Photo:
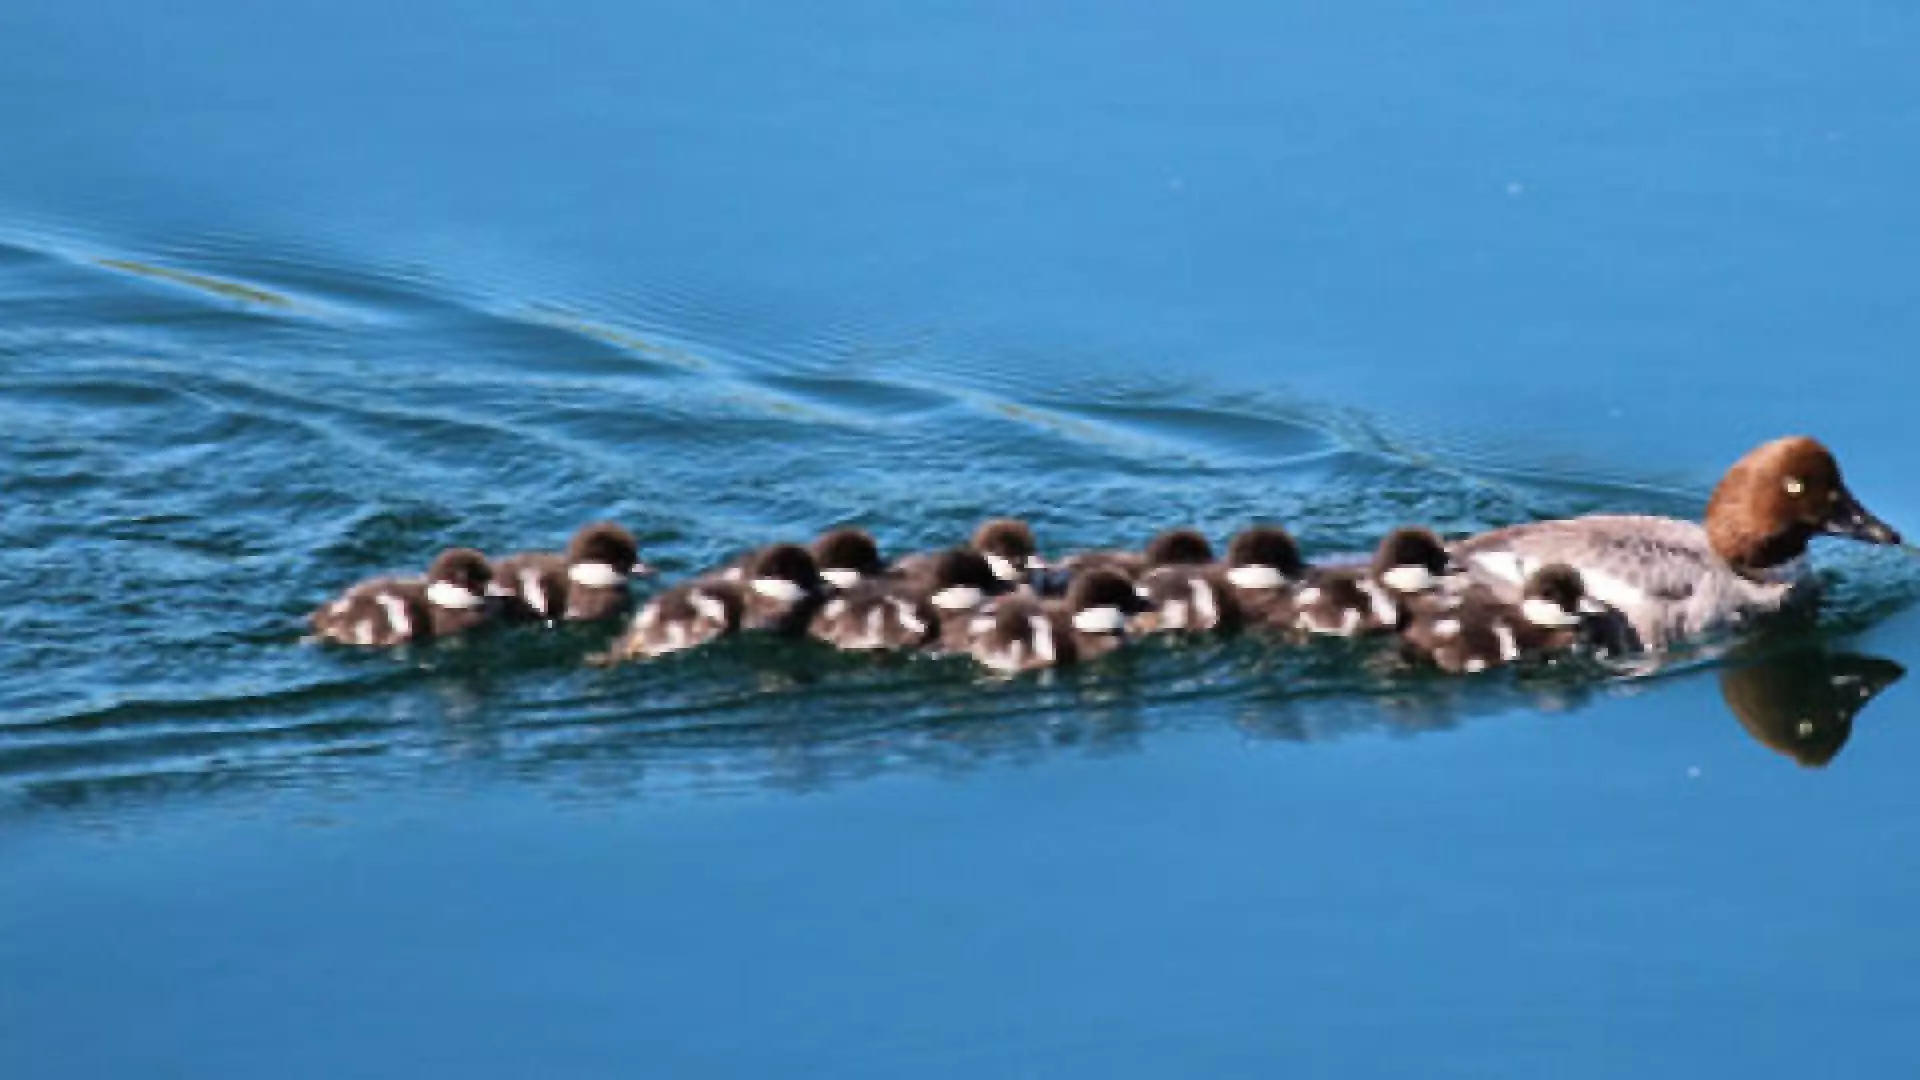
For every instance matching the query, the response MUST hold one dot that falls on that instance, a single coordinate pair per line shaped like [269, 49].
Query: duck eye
[1794, 486]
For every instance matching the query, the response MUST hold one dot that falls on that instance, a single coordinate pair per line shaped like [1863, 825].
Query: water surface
[290, 297]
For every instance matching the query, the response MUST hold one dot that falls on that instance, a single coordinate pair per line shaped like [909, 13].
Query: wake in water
[199, 453]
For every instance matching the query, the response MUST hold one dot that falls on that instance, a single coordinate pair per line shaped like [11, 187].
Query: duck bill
[1856, 522]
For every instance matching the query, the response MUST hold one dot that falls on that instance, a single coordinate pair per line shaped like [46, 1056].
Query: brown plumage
[1778, 497]
[776, 592]
[586, 582]
[387, 611]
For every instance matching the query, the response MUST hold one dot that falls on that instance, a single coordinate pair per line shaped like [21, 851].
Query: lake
[294, 294]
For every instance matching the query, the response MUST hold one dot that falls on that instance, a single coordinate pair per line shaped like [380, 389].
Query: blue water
[293, 294]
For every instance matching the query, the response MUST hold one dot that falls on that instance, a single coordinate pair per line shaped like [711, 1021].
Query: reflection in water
[1803, 703]
[761, 717]
[170, 450]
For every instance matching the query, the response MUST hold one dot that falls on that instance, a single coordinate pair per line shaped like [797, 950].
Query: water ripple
[193, 466]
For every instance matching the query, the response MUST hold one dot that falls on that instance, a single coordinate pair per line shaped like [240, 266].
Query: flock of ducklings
[994, 599]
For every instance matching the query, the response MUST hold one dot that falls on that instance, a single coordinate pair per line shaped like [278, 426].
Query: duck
[1473, 630]
[1027, 632]
[1254, 584]
[1188, 598]
[911, 611]
[1349, 601]
[847, 557]
[587, 582]
[1181, 546]
[1010, 549]
[1673, 580]
[385, 611]
[776, 592]
[1264, 569]
[1007, 544]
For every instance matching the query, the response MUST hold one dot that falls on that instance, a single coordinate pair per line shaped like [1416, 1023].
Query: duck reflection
[1802, 703]
[1799, 699]
[765, 718]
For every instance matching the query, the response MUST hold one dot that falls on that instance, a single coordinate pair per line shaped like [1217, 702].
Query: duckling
[586, 582]
[388, 610]
[1190, 599]
[1264, 569]
[1024, 632]
[1409, 562]
[910, 611]
[847, 557]
[1171, 547]
[686, 616]
[777, 592]
[1007, 544]
[1475, 631]
[1009, 548]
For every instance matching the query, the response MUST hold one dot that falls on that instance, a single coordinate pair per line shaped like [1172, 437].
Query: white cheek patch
[1408, 579]
[1308, 597]
[841, 579]
[1256, 577]
[595, 575]
[396, 610]
[1099, 620]
[1042, 629]
[779, 589]
[734, 573]
[835, 608]
[363, 632]
[710, 607]
[452, 597]
[1590, 606]
[1475, 665]
[957, 598]
[1447, 628]
[1509, 649]
[647, 617]
[981, 626]
[1548, 614]
[1002, 567]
